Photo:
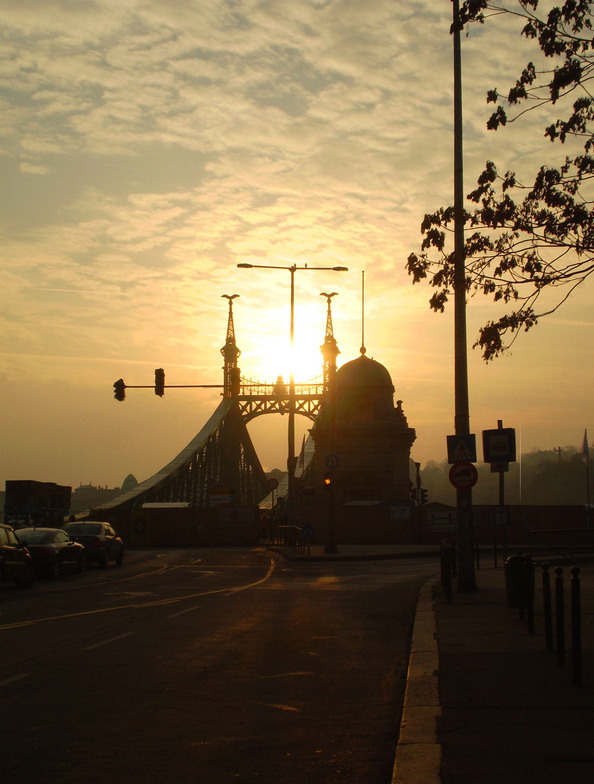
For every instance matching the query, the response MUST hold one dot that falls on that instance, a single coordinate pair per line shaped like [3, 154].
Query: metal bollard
[576, 627]
[547, 608]
[560, 608]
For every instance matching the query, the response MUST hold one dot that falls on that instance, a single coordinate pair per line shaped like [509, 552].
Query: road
[207, 665]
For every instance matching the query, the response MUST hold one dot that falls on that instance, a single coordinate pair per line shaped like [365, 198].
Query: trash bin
[519, 581]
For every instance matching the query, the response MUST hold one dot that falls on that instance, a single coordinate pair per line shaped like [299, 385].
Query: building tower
[230, 352]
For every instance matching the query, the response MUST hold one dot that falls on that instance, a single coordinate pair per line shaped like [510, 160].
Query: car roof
[86, 522]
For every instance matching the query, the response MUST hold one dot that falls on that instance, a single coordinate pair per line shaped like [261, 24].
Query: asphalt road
[208, 666]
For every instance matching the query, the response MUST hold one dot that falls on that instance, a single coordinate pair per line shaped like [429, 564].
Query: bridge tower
[329, 349]
[230, 352]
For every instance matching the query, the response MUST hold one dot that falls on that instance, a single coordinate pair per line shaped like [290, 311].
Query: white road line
[183, 612]
[107, 642]
[14, 678]
[142, 605]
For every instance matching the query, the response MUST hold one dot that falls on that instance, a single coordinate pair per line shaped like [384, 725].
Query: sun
[269, 353]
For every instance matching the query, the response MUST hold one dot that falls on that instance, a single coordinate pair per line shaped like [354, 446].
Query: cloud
[148, 147]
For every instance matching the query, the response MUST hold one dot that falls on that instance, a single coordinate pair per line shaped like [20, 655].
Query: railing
[570, 542]
[291, 537]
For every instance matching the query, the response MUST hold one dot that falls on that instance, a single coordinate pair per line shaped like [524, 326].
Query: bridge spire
[230, 352]
[329, 349]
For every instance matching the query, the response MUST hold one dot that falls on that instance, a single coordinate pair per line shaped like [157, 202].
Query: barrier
[576, 618]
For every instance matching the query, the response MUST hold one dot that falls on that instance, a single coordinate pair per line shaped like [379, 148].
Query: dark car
[53, 551]
[16, 563]
[101, 542]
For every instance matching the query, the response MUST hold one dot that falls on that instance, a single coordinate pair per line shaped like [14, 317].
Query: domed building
[362, 445]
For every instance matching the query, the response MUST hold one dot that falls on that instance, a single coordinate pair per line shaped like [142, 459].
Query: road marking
[14, 678]
[141, 605]
[281, 707]
[107, 642]
[183, 612]
[252, 585]
[284, 675]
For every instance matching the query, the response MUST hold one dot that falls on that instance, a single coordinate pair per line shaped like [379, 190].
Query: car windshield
[83, 529]
[36, 537]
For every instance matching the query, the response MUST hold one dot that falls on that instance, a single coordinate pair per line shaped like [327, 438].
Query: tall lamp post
[466, 578]
[291, 460]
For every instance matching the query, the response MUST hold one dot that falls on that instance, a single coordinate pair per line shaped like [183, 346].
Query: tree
[522, 241]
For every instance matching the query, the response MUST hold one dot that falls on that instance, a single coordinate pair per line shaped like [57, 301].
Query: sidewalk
[486, 702]
[509, 713]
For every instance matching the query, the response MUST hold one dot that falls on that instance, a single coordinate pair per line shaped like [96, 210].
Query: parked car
[53, 551]
[101, 542]
[16, 563]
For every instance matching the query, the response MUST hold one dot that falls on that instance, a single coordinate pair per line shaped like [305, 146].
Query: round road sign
[272, 483]
[463, 475]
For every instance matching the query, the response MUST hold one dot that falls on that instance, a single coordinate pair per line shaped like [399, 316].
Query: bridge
[220, 466]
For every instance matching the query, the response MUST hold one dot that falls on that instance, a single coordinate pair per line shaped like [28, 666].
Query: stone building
[362, 440]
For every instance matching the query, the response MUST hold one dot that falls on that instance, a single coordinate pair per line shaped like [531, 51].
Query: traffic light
[424, 494]
[235, 381]
[414, 494]
[119, 389]
[159, 382]
[328, 482]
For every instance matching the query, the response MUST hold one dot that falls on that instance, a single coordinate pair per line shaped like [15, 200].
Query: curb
[418, 754]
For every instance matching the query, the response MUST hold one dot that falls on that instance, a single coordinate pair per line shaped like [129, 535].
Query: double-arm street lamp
[291, 460]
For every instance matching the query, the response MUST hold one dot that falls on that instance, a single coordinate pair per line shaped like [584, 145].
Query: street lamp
[291, 460]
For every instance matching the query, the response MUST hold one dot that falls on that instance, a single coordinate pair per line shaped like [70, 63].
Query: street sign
[331, 462]
[462, 449]
[272, 483]
[307, 531]
[463, 475]
[501, 515]
[499, 446]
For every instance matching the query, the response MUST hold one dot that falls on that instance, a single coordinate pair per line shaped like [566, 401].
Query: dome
[128, 483]
[363, 372]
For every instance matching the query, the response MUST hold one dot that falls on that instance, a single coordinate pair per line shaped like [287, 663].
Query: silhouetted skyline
[148, 148]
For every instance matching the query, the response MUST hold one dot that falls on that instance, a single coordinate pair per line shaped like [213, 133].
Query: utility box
[519, 581]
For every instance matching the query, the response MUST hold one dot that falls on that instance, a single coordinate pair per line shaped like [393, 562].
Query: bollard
[547, 608]
[576, 627]
[495, 553]
[560, 608]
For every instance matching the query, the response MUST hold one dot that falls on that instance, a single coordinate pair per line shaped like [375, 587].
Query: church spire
[329, 349]
[230, 352]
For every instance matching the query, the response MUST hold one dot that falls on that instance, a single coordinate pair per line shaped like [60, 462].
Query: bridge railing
[250, 387]
[289, 536]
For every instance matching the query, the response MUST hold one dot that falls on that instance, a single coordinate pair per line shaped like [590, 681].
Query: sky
[147, 148]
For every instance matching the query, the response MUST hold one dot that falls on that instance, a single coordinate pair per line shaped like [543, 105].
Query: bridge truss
[221, 461]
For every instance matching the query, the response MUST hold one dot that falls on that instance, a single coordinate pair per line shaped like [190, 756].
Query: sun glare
[270, 354]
